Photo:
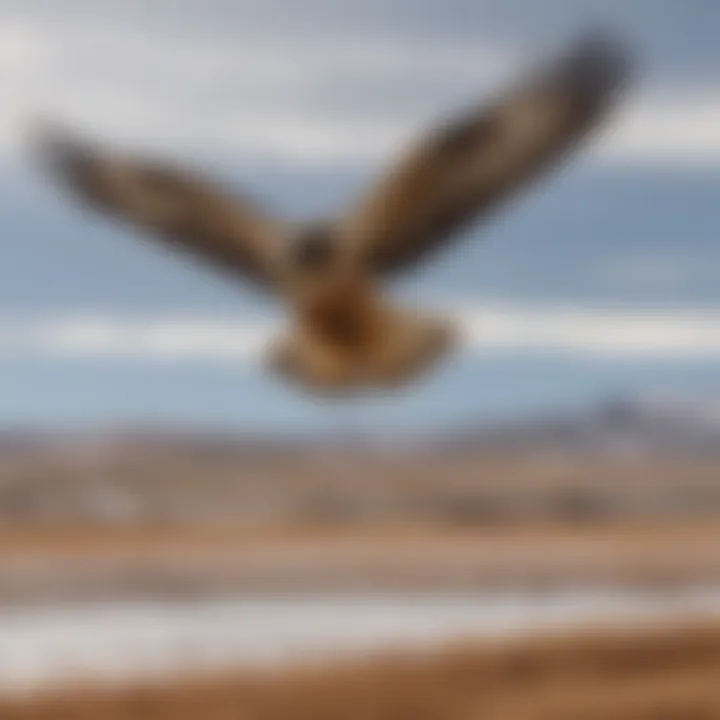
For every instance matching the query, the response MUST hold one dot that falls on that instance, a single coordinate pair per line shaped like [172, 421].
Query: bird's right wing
[175, 205]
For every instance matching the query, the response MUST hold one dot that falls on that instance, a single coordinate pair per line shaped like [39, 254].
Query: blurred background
[165, 506]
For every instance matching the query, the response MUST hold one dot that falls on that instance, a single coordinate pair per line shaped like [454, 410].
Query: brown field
[83, 562]
[88, 540]
[238, 485]
[91, 518]
[651, 673]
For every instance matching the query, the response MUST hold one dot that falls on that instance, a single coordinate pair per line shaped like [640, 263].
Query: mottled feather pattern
[473, 165]
[177, 205]
[345, 335]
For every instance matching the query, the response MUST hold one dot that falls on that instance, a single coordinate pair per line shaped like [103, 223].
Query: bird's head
[313, 248]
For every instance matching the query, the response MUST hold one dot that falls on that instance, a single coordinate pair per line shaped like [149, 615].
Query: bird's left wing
[178, 206]
[473, 163]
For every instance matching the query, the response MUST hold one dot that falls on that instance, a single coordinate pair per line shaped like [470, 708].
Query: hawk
[346, 335]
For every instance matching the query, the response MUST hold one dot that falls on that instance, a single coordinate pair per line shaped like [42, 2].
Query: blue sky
[302, 102]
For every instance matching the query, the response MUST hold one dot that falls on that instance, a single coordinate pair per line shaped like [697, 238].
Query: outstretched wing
[466, 168]
[178, 206]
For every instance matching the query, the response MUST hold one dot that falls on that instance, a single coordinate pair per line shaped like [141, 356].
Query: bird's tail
[414, 346]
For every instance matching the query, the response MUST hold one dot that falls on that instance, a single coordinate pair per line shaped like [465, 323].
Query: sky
[602, 281]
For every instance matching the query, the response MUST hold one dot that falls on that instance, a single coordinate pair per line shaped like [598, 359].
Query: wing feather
[178, 206]
[472, 164]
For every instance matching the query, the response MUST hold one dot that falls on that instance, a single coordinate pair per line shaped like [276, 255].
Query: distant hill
[638, 457]
[649, 424]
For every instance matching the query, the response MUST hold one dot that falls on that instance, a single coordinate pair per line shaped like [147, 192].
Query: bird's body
[354, 338]
[346, 335]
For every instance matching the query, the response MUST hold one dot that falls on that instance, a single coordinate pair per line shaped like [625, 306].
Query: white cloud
[294, 98]
[618, 334]
[332, 98]
[680, 129]
[161, 340]
[613, 335]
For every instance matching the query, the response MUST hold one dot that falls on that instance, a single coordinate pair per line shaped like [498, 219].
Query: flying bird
[346, 335]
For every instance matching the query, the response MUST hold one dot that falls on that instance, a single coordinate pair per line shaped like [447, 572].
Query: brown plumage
[346, 336]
